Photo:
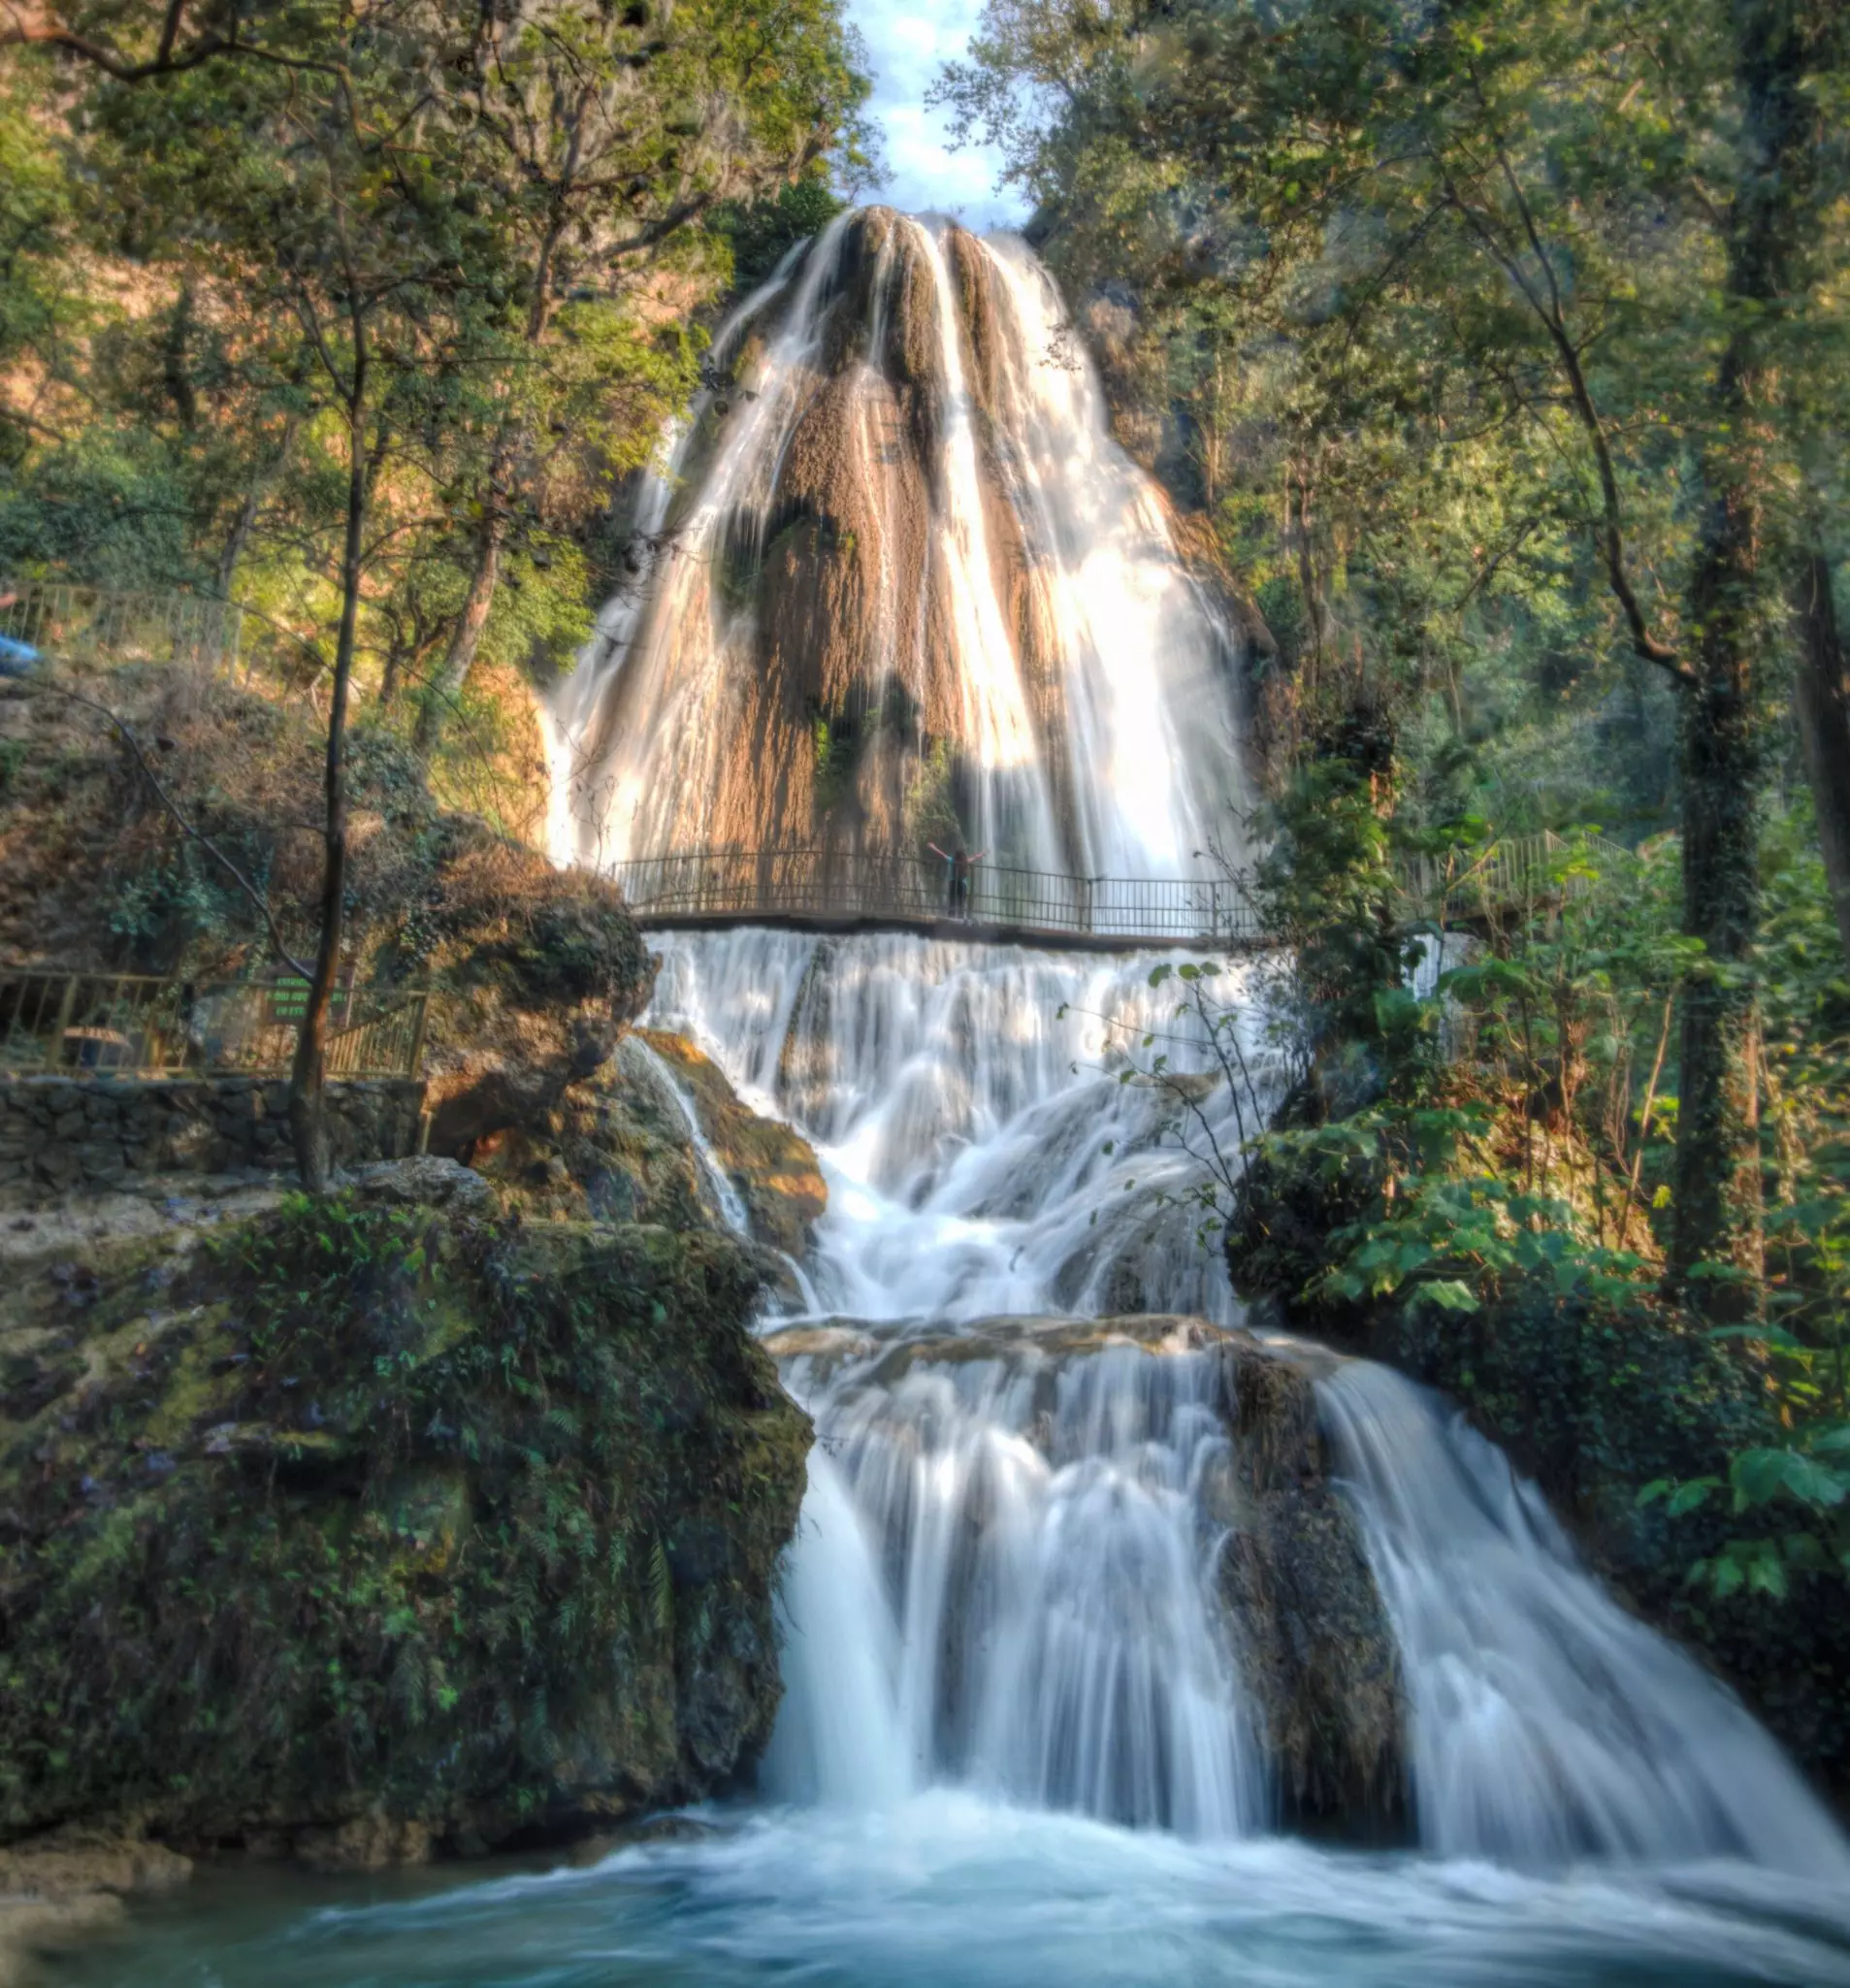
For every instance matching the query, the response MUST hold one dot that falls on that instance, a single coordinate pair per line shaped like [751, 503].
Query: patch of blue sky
[906, 44]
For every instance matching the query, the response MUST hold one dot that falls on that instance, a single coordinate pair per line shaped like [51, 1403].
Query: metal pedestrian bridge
[817, 890]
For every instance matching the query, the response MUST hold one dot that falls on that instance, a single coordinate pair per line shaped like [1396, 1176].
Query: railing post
[55, 1058]
[417, 1033]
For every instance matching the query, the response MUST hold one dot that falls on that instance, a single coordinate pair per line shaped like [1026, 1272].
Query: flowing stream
[1024, 1739]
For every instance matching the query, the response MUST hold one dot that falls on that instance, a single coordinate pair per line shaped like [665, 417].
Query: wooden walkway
[830, 891]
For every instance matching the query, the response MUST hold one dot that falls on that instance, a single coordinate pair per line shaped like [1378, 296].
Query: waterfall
[910, 588]
[1053, 1642]
[1545, 1722]
[907, 586]
[983, 1154]
[1009, 1575]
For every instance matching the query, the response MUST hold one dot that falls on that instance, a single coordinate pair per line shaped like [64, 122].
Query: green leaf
[1758, 1476]
[1449, 1294]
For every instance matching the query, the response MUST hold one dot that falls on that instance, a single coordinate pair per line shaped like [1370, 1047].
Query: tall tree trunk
[1821, 702]
[445, 687]
[307, 1114]
[1718, 1192]
[1770, 222]
[509, 445]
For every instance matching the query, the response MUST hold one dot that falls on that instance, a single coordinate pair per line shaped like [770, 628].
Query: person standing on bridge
[956, 873]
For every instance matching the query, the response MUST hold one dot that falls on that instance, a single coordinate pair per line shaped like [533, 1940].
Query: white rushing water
[983, 1154]
[1049, 1639]
[1006, 1576]
[1011, 577]
[1545, 1723]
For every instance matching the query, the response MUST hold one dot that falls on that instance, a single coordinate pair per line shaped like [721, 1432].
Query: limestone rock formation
[912, 590]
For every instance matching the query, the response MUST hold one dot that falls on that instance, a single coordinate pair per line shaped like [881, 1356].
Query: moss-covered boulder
[1318, 1654]
[620, 1144]
[372, 1528]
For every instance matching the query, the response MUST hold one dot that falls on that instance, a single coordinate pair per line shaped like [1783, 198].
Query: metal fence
[138, 1024]
[827, 885]
[1520, 875]
[97, 624]
[824, 886]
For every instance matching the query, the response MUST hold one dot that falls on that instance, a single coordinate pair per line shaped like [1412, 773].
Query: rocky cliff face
[377, 1525]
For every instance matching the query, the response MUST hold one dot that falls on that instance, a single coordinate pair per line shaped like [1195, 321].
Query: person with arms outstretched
[957, 870]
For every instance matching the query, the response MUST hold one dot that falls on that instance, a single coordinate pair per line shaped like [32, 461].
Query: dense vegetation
[357, 312]
[1504, 350]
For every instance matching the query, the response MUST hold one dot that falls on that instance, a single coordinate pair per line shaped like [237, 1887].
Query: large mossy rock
[620, 1144]
[1317, 1649]
[371, 1528]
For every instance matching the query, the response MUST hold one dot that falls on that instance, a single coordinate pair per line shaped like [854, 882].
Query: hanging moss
[391, 1520]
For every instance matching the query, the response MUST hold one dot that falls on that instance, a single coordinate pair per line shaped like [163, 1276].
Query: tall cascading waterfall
[908, 587]
[905, 585]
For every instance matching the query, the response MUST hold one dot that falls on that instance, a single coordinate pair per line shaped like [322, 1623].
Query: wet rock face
[772, 1166]
[617, 1147]
[380, 1529]
[1318, 1654]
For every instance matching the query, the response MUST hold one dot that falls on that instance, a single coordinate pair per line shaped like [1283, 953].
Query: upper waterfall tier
[905, 588]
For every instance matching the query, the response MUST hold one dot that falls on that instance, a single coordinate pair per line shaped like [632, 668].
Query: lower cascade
[1019, 1567]
[1121, 1643]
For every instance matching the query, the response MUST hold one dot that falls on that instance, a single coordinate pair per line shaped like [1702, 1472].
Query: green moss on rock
[391, 1525]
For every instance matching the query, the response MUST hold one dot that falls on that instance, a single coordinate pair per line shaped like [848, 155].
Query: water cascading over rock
[1074, 1539]
[908, 589]
[1151, 1568]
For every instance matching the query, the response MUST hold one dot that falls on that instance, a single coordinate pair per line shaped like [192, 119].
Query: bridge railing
[99, 624]
[56, 1022]
[1520, 876]
[834, 884]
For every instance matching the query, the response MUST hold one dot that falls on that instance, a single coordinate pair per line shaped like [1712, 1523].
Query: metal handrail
[828, 886]
[56, 1020]
[102, 624]
[831, 885]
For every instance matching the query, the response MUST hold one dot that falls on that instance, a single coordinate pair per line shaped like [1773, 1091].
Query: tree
[606, 136]
[1579, 238]
[325, 187]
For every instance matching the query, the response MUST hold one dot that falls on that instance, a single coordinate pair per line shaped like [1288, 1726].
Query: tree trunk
[445, 687]
[510, 445]
[1821, 702]
[1770, 222]
[307, 1116]
[1717, 1190]
[246, 521]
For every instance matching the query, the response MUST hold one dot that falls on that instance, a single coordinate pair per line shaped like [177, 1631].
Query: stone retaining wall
[85, 1134]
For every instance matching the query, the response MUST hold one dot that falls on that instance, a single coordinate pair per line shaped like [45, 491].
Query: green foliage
[764, 232]
[517, 228]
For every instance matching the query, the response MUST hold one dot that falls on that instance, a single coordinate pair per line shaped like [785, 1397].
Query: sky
[907, 40]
